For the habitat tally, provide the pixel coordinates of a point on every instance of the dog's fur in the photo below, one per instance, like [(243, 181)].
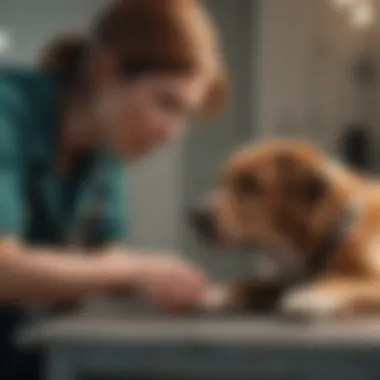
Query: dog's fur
[(288, 194)]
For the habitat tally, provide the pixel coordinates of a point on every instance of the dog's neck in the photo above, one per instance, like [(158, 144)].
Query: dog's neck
[(310, 251), (344, 198), (320, 259), (317, 236)]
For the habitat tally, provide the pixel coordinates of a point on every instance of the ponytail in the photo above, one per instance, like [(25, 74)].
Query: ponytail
[(63, 57)]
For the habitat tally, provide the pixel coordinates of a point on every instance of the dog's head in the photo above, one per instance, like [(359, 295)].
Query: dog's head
[(272, 193)]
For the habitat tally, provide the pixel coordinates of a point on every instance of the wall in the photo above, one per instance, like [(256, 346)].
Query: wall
[(205, 148), (156, 199), (305, 88), (373, 97), (31, 24)]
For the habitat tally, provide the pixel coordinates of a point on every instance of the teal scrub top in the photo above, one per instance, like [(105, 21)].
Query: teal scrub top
[(40, 206), (37, 204)]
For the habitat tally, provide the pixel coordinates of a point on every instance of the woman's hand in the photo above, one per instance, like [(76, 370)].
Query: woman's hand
[(165, 280), (169, 281)]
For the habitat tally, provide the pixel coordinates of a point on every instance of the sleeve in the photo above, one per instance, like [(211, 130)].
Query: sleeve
[(12, 110), (113, 224)]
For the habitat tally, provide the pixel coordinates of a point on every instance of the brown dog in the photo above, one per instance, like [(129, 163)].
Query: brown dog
[(286, 194)]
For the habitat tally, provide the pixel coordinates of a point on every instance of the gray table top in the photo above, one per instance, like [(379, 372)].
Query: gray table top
[(123, 325), (229, 330)]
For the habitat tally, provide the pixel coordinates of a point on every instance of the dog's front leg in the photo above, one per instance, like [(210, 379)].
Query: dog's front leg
[(314, 300), (260, 295), (332, 297)]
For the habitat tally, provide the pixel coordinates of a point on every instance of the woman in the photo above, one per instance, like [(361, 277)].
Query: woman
[(66, 132)]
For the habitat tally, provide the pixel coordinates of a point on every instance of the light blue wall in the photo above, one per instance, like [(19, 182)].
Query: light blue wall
[(32, 23), (205, 148)]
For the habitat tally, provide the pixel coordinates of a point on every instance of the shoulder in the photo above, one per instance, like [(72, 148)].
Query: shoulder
[(23, 92), (10, 90), (21, 84)]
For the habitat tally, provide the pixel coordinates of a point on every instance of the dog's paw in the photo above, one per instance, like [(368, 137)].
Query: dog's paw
[(310, 304), (217, 298)]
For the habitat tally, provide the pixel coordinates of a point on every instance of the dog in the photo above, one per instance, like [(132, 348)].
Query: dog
[(288, 196)]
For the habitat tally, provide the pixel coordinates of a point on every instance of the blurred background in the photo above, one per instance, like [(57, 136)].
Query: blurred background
[(306, 68), (298, 68)]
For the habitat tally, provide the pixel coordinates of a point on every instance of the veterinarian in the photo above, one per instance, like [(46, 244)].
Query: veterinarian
[(67, 131)]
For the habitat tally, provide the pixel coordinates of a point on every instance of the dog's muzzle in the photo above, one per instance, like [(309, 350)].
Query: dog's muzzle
[(204, 223)]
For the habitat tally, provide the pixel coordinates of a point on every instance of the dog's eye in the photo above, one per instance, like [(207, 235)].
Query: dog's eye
[(247, 184)]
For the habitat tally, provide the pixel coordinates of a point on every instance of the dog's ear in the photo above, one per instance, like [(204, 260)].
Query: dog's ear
[(300, 182), (308, 188)]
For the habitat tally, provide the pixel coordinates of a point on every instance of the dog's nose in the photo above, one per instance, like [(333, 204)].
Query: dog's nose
[(203, 222)]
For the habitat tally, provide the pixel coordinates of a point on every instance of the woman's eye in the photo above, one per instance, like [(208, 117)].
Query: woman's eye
[(247, 184)]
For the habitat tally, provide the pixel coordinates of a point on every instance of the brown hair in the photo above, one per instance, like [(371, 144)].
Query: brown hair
[(146, 36)]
